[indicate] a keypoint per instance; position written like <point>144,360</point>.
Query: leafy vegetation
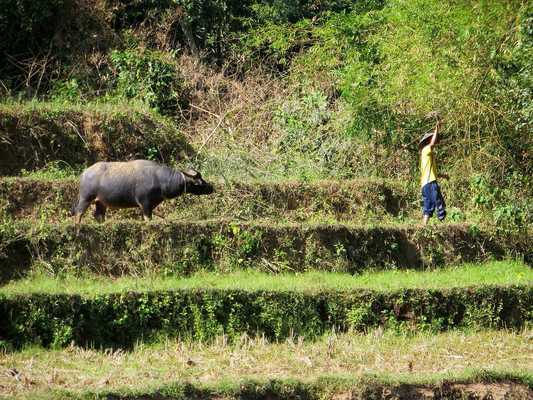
<point>363,201</point>
<point>182,248</point>
<point>147,76</point>
<point>120,319</point>
<point>329,94</point>
<point>56,136</point>
<point>306,89</point>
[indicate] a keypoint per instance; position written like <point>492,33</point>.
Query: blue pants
<point>432,199</point>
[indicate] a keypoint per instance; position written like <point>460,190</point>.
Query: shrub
<point>43,41</point>
<point>149,76</point>
<point>131,247</point>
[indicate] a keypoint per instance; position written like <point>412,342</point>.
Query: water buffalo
<point>139,183</point>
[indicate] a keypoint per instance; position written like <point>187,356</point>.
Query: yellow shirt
<point>428,168</point>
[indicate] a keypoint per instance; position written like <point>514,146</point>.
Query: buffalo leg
<point>147,211</point>
<point>80,208</point>
<point>99,211</point>
<point>147,214</point>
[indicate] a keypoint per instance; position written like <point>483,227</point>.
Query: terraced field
<point>263,290</point>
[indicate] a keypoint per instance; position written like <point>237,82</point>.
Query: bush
<point>43,41</point>
<point>149,76</point>
<point>28,26</point>
<point>508,207</point>
<point>210,26</point>
<point>433,57</point>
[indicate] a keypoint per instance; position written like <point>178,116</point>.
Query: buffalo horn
<point>191,173</point>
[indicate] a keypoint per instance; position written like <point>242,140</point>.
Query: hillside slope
<point>307,273</point>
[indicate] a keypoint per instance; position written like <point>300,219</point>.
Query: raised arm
<point>435,134</point>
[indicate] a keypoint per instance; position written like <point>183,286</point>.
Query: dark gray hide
<point>139,183</point>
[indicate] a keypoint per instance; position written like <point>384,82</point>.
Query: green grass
<point>108,105</point>
<point>334,362</point>
<point>492,273</point>
<point>37,135</point>
<point>335,186</point>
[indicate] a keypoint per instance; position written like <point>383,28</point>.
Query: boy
<point>431,195</point>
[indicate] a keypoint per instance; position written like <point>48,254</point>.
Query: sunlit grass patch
<point>499,273</point>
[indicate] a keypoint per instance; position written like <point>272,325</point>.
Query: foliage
<point>27,26</point>
<point>148,76</point>
<point>48,41</point>
<point>213,25</point>
<point>119,320</point>
<point>505,205</point>
<point>305,89</point>
<point>361,201</point>
<point>392,66</point>
<point>67,91</point>
<point>53,170</point>
<point>372,69</point>
<point>357,79</point>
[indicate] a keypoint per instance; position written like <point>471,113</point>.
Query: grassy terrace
<point>333,364</point>
<point>307,275</point>
<point>502,273</point>
<point>182,247</point>
<point>41,196</point>
<point>118,313</point>
<point>35,134</point>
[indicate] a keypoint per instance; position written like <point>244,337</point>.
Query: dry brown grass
<point>260,125</point>
<point>413,358</point>
<point>225,108</point>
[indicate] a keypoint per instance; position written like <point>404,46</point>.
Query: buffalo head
<point>195,184</point>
